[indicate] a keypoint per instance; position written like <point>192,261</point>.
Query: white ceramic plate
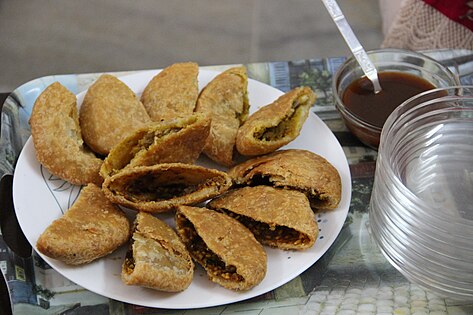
<point>40,198</point>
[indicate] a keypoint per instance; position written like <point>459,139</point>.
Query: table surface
<point>352,277</point>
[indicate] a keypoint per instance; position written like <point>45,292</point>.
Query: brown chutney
<point>359,97</point>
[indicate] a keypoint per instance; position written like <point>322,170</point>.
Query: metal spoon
<point>353,43</point>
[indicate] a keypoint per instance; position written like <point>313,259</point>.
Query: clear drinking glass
<point>421,209</point>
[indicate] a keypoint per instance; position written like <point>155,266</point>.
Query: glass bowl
<point>387,61</point>
<point>421,208</point>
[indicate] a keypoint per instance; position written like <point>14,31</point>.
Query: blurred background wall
<point>43,37</point>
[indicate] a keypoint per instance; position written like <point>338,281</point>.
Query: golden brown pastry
<point>110,110</point>
<point>57,137</point>
<point>157,258</point>
<point>225,100</point>
<point>92,228</point>
<point>277,217</point>
<point>161,187</point>
<point>226,249</point>
<point>174,140</point>
<point>293,169</point>
<point>276,124</point>
<point>172,92</point>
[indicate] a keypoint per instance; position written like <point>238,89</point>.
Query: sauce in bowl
<point>359,97</point>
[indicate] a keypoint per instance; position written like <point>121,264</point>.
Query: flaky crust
<point>171,141</point>
<point>157,258</point>
<point>278,210</point>
<point>57,137</point>
<point>276,124</point>
<point>110,110</point>
<point>225,100</point>
<point>172,92</point>
<point>92,228</point>
<point>232,242</point>
<point>161,187</point>
<point>294,169</point>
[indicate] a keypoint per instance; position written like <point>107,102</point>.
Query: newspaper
<point>353,276</point>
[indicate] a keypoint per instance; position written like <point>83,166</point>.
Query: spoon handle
<point>353,43</point>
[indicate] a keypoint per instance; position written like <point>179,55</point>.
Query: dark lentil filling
<point>266,233</point>
<point>258,180</point>
<point>150,187</point>
<point>316,202</point>
<point>203,255</point>
<point>315,199</point>
<point>129,260</point>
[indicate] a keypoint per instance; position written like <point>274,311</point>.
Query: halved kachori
<point>162,187</point>
<point>57,137</point>
<point>275,124</point>
<point>295,169</point>
<point>91,228</point>
<point>277,217</point>
<point>225,248</point>
<point>225,100</point>
<point>157,258</point>
<point>172,92</point>
<point>178,140</point>
<point>110,111</point>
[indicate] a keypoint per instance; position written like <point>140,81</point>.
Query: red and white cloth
<point>460,11</point>
<point>432,24</point>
